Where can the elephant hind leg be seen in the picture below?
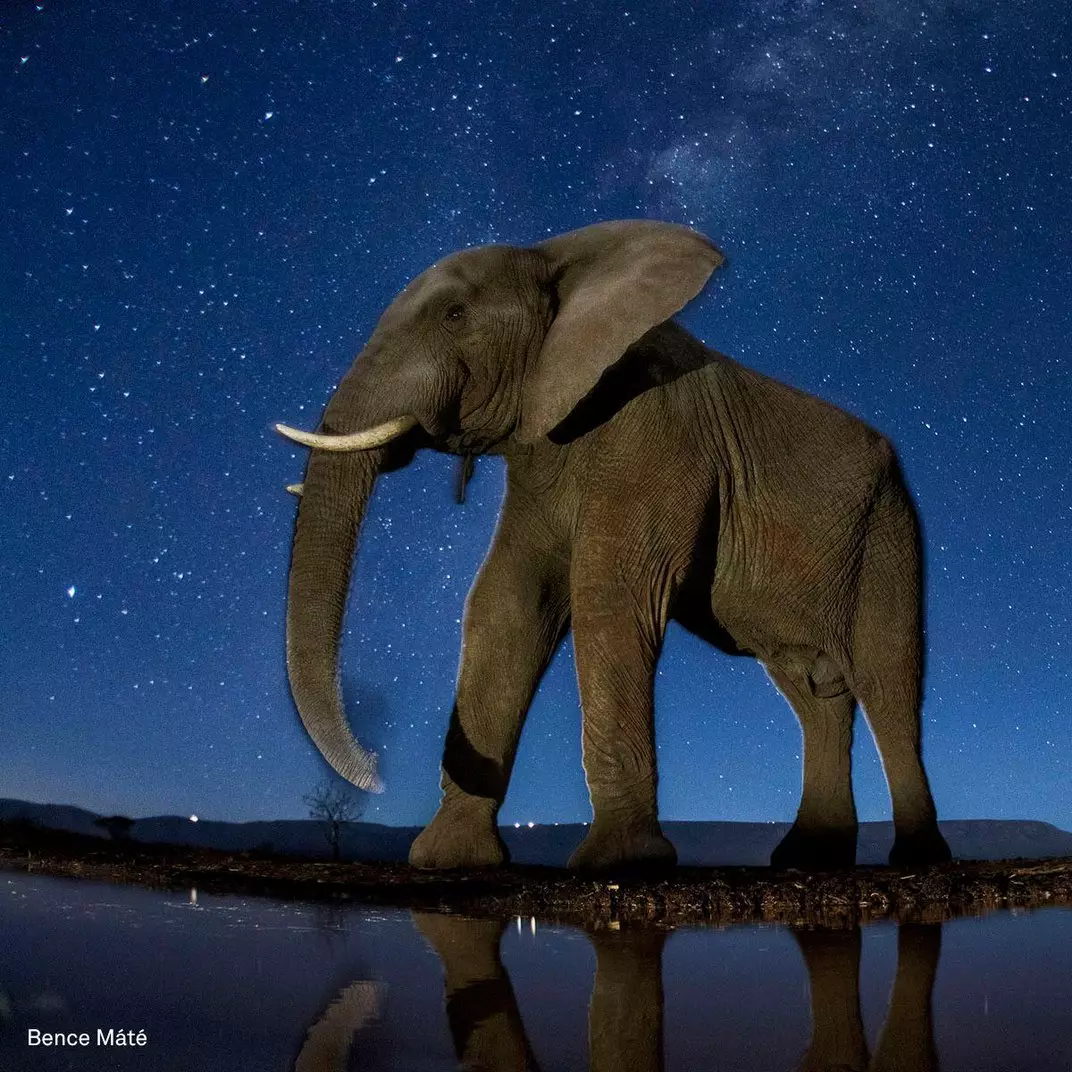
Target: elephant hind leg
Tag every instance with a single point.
(824, 833)
(887, 677)
(894, 721)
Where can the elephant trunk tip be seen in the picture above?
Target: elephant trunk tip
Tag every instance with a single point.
(361, 771)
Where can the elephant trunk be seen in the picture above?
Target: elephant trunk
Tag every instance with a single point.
(333, 501)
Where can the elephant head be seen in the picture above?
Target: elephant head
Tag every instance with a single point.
(490, 347)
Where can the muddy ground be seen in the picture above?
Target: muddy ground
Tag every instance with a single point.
(681, 897)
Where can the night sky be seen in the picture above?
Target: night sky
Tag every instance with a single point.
(207, 205)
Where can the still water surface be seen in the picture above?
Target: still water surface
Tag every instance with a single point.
(232, 984)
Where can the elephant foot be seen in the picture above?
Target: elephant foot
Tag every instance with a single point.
(918, 849)
(623, 848)
(816, 849)
(463, 834)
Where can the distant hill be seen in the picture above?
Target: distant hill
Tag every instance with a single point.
(715, 844)
(699, 844)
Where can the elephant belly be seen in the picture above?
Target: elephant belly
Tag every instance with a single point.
(784, 633)
(783, 585)
(746, 618)
(701, 622)
(816, 670)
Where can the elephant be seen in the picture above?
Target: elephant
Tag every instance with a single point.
(649, 478)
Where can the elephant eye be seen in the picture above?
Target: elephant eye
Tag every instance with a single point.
(454, 312)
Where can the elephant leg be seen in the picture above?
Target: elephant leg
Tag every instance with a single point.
(824, 833)
(906, 1043)
(887, 682)
(894, 724)
(617, 643)
(516, 614)
(832, 959)
(482, 1011)
(625, 1015)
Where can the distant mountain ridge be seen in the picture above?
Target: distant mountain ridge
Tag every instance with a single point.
(709, 844)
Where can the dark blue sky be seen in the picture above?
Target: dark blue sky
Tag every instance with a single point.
(206, 206)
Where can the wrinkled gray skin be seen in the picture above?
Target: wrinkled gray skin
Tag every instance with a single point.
(649, 478)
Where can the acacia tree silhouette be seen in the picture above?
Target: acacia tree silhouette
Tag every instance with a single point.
(332, 803)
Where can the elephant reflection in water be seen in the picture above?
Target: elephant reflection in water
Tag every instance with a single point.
(625, 1013)
(906, 1043)
(328, 1042)
(485, 1023)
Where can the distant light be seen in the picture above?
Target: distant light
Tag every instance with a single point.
(531, 825)
(71, 591)
(193, 818)
(517, 826)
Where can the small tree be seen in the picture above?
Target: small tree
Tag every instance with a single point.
(118, 826)
(333, 803)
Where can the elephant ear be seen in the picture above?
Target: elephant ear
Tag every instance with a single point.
(615, 281)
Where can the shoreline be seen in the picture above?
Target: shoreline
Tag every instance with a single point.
(684, 896)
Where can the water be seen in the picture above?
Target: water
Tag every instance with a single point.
(231, 983)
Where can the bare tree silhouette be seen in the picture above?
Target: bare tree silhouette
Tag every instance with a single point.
(333, 803)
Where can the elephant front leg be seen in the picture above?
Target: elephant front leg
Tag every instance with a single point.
(616, 651)
(464, 830)
(516, 614)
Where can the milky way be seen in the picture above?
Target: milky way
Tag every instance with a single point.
(207, 205)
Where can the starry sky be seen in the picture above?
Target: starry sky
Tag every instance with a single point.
(205, 208)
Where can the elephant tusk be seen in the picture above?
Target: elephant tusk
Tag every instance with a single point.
(295, 489)
(373, 437)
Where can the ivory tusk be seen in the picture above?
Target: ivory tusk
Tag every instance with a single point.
(373, 437)
(295, 489)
